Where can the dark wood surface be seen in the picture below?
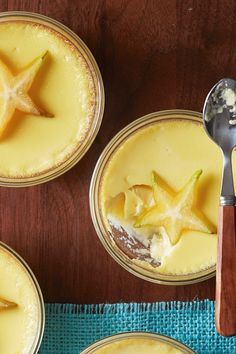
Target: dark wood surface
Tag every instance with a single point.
(153, 55)
(225, 273)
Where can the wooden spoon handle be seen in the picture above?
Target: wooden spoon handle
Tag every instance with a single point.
(226, 273)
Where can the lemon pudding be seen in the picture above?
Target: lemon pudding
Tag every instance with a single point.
(155, 197)
(138, 343)
(138, 346)
(50, 95)
(20, 307)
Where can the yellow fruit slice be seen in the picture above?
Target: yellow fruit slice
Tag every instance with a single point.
(163, 195)
(145, 193)
(5, 305)
(14, 91)
(138, 198)
(174, 211)
(132, 202)
(186, 195)
(115, 206)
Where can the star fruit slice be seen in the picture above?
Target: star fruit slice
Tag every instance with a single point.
(175, 211)
(14, 91)
(5, 305)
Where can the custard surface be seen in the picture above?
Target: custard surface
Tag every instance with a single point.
(64, 87)
(174, 149)
(138, 346)
(18, 326)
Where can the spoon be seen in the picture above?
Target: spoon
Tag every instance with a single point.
(219, 114)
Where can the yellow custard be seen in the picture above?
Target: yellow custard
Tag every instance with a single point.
(19, 326)
(138, 346)
(174, 149)
(64, 87)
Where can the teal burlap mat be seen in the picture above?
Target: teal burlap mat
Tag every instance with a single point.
(70, 328)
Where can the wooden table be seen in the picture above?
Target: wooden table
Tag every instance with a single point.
(153, 55)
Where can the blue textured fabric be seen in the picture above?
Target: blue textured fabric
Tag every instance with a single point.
(71, 328)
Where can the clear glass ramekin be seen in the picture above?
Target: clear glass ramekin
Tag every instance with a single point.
(137, 335)
(101, 225)
(99, 101)
(41, 310)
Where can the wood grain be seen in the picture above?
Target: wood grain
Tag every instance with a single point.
(225, 275)
(153, 55)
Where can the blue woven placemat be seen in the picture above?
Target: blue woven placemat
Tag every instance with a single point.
(70, 328)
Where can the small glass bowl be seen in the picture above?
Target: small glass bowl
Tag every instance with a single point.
(137, 335)
(41, 321)
(99, 101)
(98, 218)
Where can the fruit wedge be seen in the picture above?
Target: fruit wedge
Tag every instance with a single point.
(132, 202)
(174, 211)
(14, 91)
(115, 206)
(137, 199)
(5, 305)
(144, 192)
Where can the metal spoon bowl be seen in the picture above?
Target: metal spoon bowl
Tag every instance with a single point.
(219, 121)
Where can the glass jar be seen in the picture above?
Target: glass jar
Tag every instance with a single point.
(100, 221)
(90, 135)
(137, 335)
(38, 297)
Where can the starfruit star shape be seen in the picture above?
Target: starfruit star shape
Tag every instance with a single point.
(14, 91)
(6, 305)
(175, 212)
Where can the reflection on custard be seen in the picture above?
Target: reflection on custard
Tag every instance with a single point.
(160, 194)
